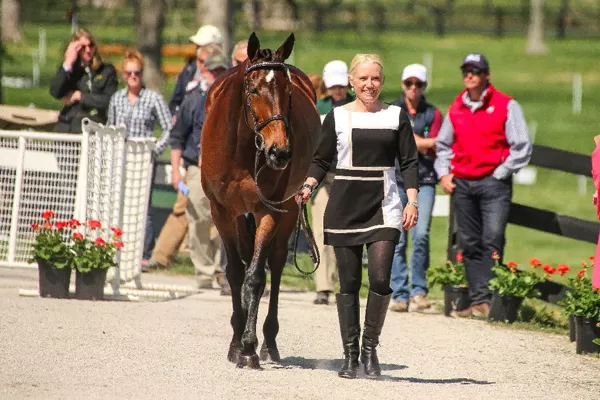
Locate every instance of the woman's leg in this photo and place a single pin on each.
(380, 266)
(349, 261)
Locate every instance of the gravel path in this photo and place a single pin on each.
(68, 349)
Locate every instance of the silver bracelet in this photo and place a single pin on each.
(414, 204)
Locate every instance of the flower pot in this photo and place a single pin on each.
(586, 332)
(456, 298)
(53, 282)
(90, 285)
(504, 308)
(572, 327)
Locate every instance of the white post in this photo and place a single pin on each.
(42, 46)
(35, 81)
(582, 184)
(577, 93)
(14, 219)
(532, 130)
(428, 63)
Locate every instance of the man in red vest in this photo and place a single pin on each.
(482, 143)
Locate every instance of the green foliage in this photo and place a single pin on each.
(49, 247)
(582, 300)
(92, 251)
(449, 274)
(509, 281)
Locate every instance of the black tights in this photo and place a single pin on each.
(349, 261)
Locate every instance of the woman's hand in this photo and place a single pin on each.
(306, 190)
(410, 216)
(72, 53)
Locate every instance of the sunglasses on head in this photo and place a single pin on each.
(136, 73)
(417, 84)
(472, 70)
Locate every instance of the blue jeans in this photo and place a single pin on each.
(420, 253)
(149, 237)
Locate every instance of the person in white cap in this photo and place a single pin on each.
(207, 39)
(426, 120)
(335, 78)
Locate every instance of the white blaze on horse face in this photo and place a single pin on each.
(270, 76)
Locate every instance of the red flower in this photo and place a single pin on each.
(549, 269)
(74, 223)
(94, 224)
(534, 262)
(78, 236)
(512, 266)
(117, 231)
(119, 245)
(47, 225)
(495, 255)
(562, 269)
(581, 273)
(61, 225)
(459, 257)
(100, 242)
(592, 258)
(47, 215)
(35, 226)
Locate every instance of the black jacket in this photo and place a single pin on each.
(185, 134)
(96, 89)
(183, 79)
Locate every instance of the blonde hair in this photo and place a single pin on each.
(318, 85)
(82, 32)
(238, 45)
(365, 58)
(135, 56)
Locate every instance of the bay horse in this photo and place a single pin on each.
(261, 121)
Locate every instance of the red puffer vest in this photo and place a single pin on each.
(479, 137)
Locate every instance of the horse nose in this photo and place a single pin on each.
(281, 155)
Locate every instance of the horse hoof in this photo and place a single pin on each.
(270, 354)
(234, 354)
(250, 361)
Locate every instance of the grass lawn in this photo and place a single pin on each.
(541, 84)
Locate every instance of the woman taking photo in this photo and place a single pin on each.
(138, 109)
(364, 206)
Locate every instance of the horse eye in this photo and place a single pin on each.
(254, 91)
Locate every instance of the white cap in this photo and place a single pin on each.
(335, 73)
(207, 34)
(415, 71)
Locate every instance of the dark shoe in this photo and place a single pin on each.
(322, 298)
(377, 306)
(151, 265)
(349, 317)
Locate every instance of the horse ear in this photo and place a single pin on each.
(286, 48)
(253, 46)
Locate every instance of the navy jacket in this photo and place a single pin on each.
(185, 135)
(183, 79)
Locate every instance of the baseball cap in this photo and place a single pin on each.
(476, 60)
(335, 73)
(415, 71)
(216, 60)
(207, 34)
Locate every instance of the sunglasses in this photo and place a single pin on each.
(417, 84)
(474, 71)
(136, 73)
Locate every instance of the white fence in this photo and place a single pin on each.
(99, 174)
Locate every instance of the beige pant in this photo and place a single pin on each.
(173, 233)
(326, 271)
(203, 245)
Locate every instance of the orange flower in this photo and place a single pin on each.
(512, 266)
(78, 236)
(562, 269)
(495, 255)
(47, 215)
(534, 262)
(119, 245)
(94, 224)
(584, 264)
(459, 257)
(581, 274)
(100, 242)
(592, 258)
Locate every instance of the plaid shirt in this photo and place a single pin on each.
(139, 118)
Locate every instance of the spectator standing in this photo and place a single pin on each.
(364, 207)
(138, 109)
(335, 79)
(185, 143)
(84, 83)
(482, 143)
(426, 121)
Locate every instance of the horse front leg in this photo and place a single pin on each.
(253, 288)
(269, 350)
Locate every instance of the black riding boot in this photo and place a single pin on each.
(377, 306)
(349, 315)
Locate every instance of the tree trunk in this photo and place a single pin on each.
(149, 22)
(11, 20)
(220, 14)
(535, 37)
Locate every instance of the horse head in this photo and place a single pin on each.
(268, 100)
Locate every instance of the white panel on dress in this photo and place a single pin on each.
(391, 204)
(344, 135)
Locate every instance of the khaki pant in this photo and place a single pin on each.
(202, 241)
(173, 233)
(326, 271)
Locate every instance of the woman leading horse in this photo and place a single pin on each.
(257, 143)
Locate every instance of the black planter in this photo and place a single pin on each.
(53, 282)
(90, 285)
(456, 298)
(504, 308)
(586, 333)
(572, 328)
